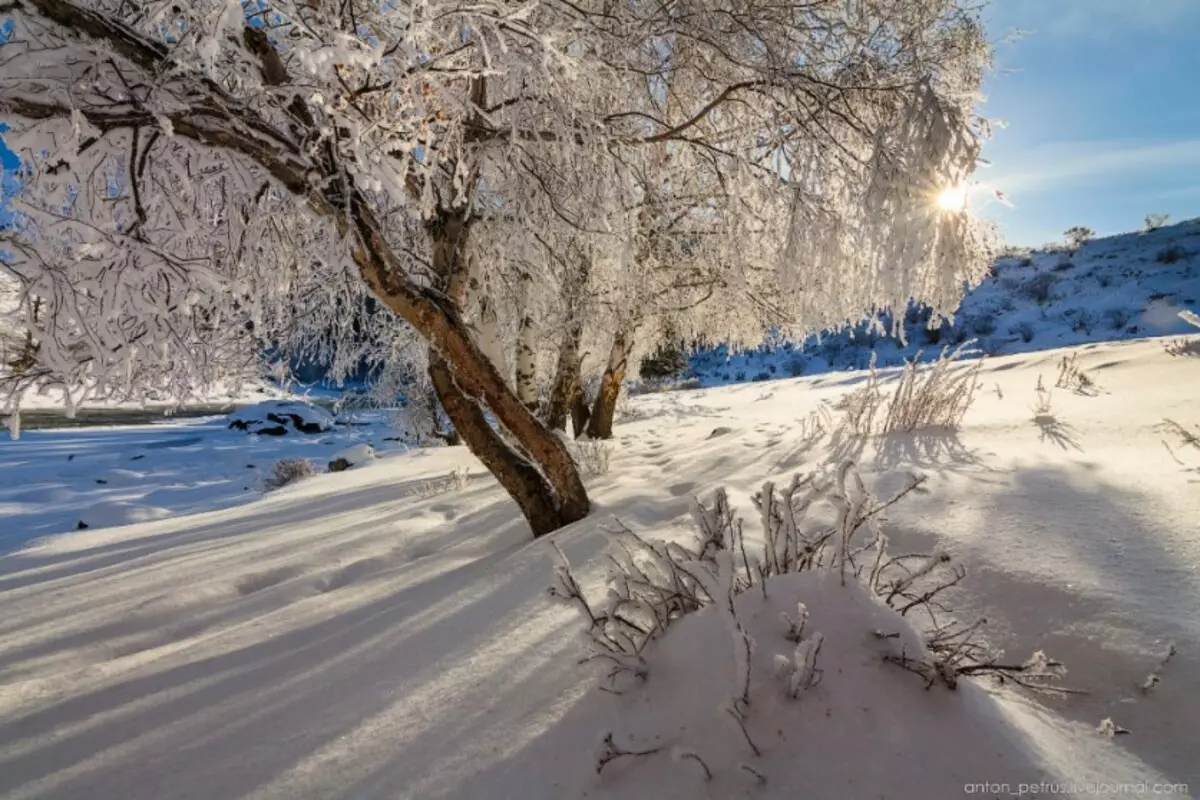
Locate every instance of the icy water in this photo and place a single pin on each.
(47, 419)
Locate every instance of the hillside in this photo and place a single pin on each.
(1129, 286)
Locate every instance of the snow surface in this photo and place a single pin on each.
(358, 635)
(51, 480)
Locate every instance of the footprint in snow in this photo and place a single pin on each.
(680, 489)
(257, 581)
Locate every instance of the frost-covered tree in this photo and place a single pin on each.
(1156, 220)
(1078, 236)
(173, 154)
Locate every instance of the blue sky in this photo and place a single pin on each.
(1102, 107)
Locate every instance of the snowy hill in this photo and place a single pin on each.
(1117, 288)
(360, 634)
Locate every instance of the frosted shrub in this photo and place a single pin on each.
(457, 480)
(936, 396)
(287, 471)
(1156, 221)
(1071, 376)
(1040, 287)
(1185, 347)
(1078, 236)
(820, 521)
(1042, 402)
(1170, 255)
(592, 456)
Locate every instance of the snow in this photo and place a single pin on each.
(357, 635)
(280, 417)
(51, 480)
(357, 454)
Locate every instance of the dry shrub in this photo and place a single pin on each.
(936, 396)
(652, 583)
(591, 456)
(286, 471)
(1041, 406)
(1071, 376)
(458, 479)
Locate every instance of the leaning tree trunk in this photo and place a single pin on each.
(547, 486)
(605, 406)
(518, 477)
(234, 127)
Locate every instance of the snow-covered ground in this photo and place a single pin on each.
(386, 631)
(53, 480)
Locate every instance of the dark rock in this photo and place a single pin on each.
(339, 465)
(81, 526)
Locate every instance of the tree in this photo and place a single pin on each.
(1156, 220)
(173, 152)
(1078, 236)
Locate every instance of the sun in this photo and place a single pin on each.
(952, 198)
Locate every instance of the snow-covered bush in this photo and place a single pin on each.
(1078, 235)
(1042, 402)
(1156, 221)
(1170, 255)
(592, 456)
(1185, 347)
(1083, 321)
(1040, 287)
(936, 396)
(287, 471)
(458, 479)
(820, 521)
(823, 562)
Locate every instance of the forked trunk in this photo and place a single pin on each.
(557, 497)
(518, 477)
(605, 407)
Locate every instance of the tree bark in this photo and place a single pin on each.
(565, 392)
(605, 407)
(526, 372)
(518, 477)
(549, 497)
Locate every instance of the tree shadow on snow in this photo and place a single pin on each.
(1075, 567)
(404, 678)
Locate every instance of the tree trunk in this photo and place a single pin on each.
(526, 375)
(605, 407)
(565, 392)
(437, 317)
(580, 414)
(519, 478)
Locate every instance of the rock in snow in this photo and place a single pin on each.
(351, 457)
(279, 417)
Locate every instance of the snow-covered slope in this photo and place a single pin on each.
(360, 635)
(1117, 288)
